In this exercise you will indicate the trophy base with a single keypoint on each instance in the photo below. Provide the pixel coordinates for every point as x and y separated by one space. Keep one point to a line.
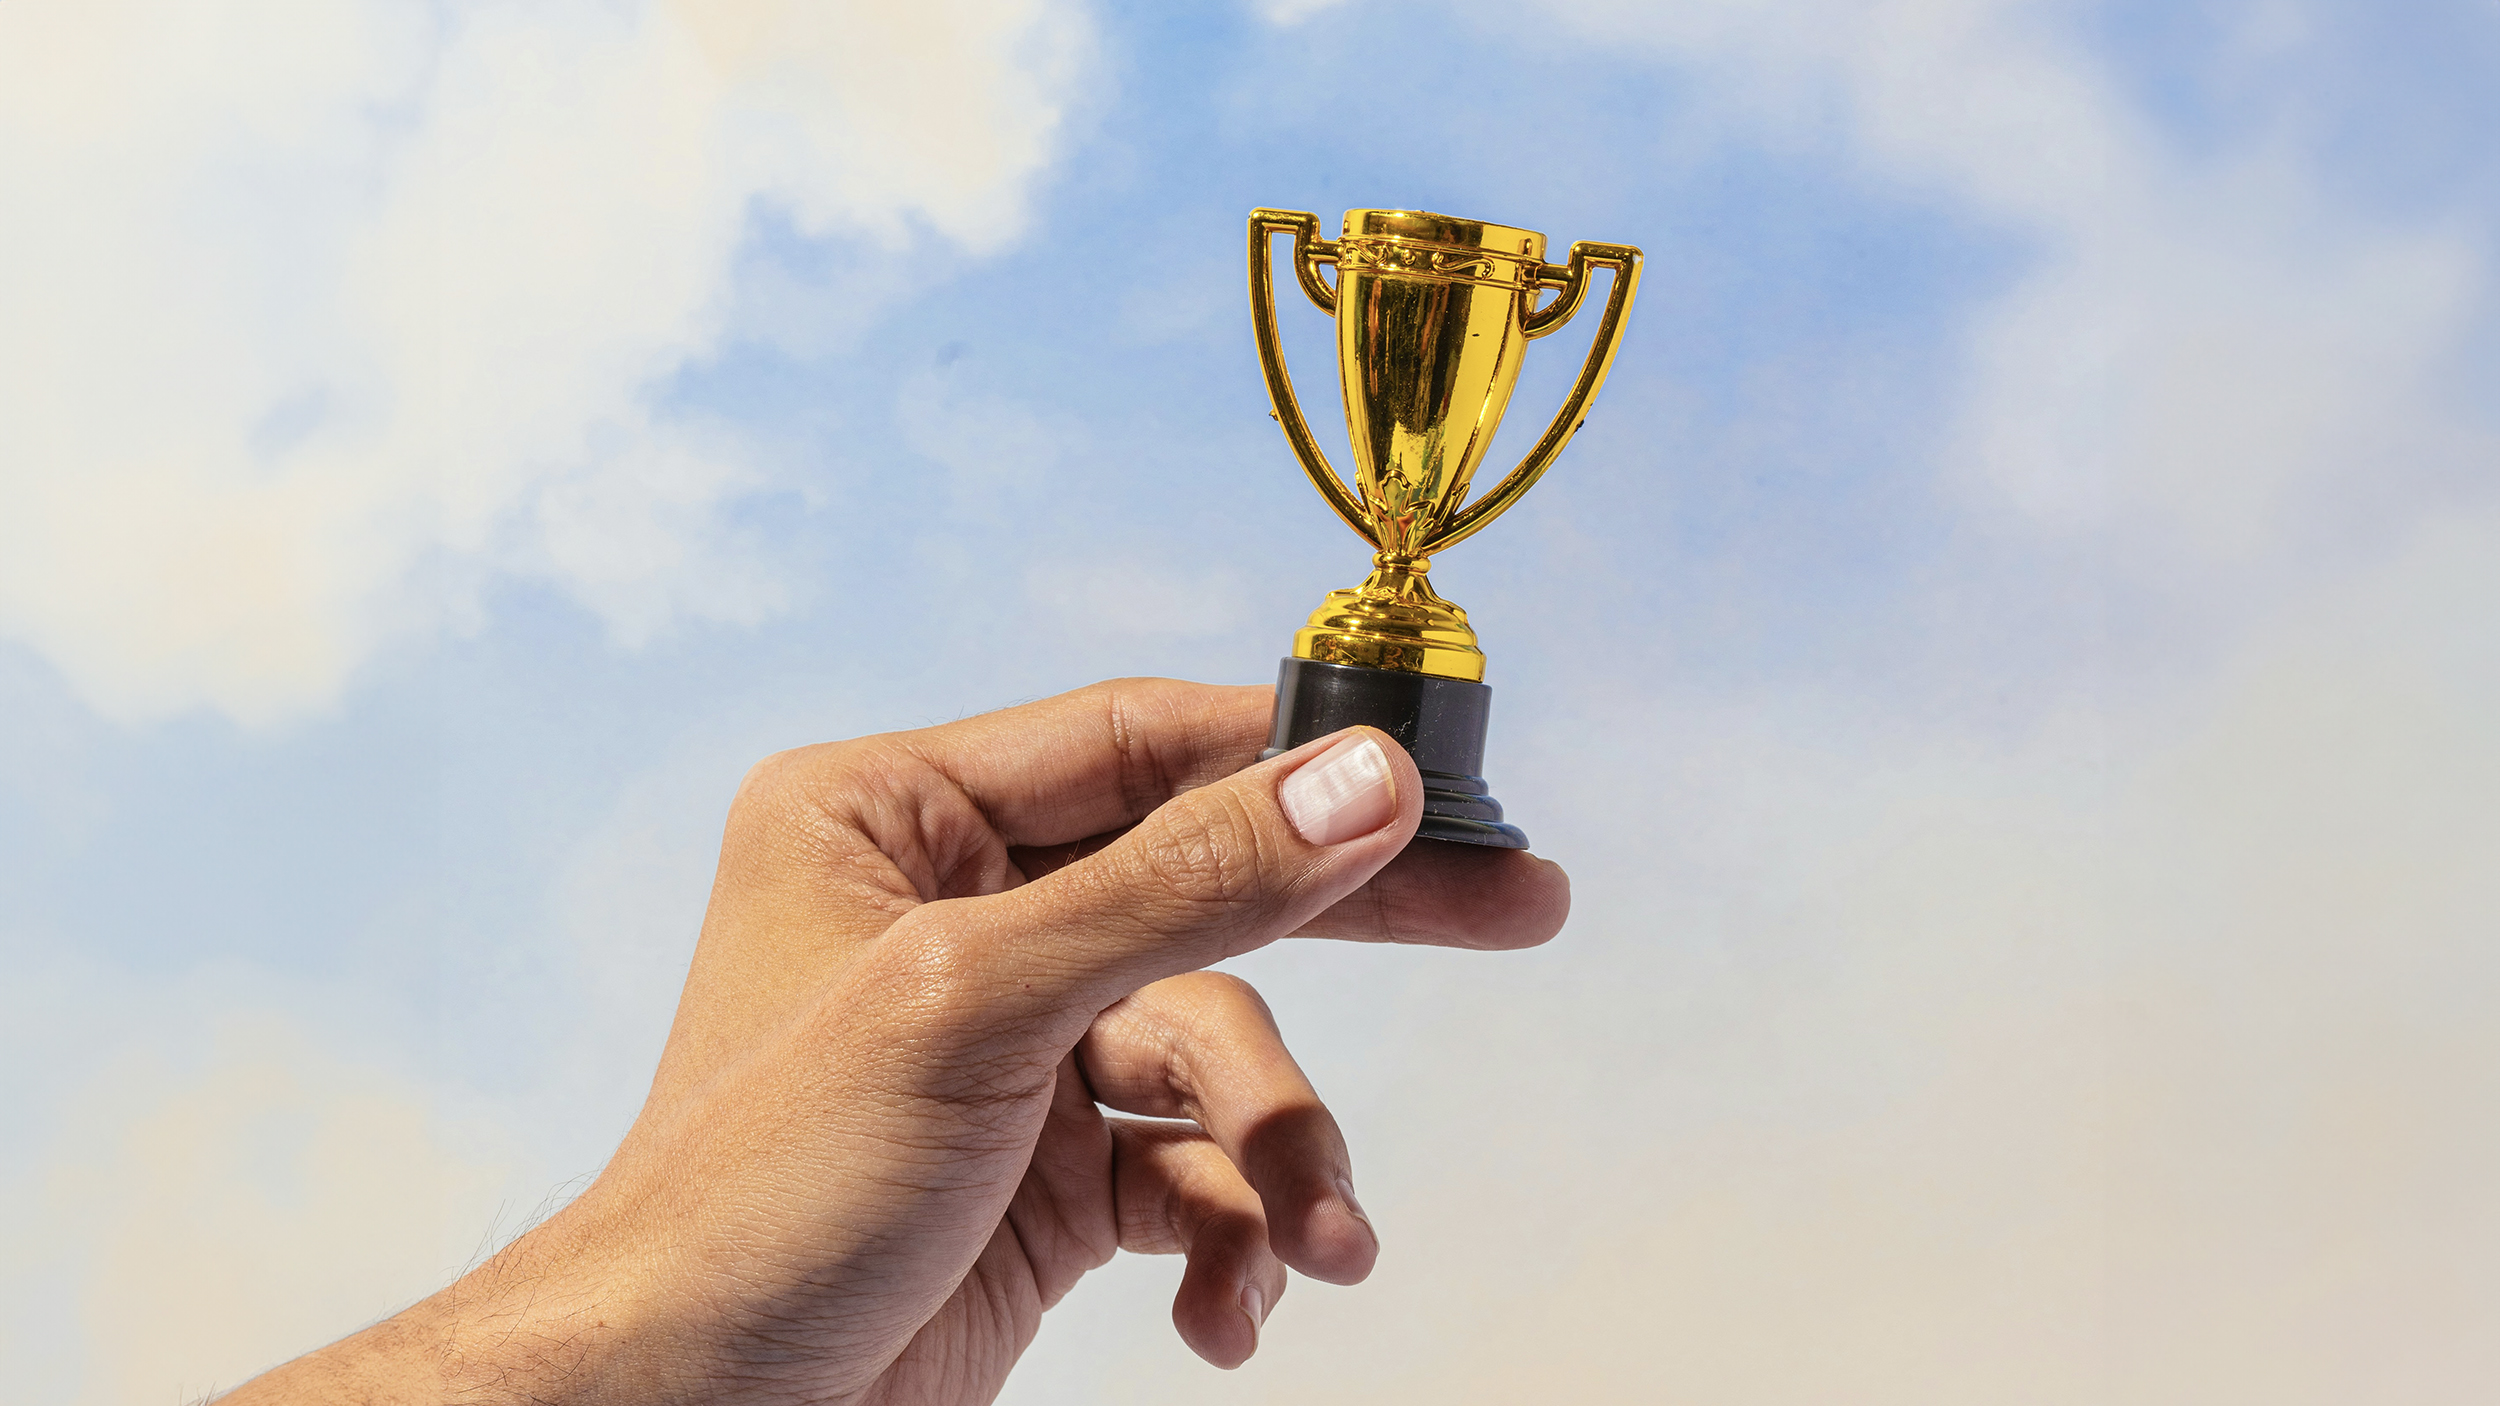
1440 722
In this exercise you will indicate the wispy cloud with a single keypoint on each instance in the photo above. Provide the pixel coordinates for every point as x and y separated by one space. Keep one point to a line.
311 310
2208 351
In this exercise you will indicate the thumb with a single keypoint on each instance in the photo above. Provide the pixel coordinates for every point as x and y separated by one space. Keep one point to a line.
1210 873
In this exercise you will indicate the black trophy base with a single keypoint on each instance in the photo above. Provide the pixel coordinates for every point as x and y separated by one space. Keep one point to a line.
1440 723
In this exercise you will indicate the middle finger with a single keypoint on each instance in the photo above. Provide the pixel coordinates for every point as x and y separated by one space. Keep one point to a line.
1204 1047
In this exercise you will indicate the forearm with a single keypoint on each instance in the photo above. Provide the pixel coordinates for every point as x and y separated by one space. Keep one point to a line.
404 1359
512 1330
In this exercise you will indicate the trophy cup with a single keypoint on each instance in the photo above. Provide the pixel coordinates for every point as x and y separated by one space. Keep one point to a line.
1434 315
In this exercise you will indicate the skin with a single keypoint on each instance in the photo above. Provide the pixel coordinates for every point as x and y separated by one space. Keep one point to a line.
875 1152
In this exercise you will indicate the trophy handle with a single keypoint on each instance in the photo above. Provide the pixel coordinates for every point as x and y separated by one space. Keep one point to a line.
1573 280
1309 252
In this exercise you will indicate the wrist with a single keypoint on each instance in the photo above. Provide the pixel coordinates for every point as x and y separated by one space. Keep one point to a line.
559 1316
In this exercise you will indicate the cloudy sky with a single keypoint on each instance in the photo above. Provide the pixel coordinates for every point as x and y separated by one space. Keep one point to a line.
2011 662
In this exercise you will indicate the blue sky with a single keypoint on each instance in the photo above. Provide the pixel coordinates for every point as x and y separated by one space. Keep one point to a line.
2002 660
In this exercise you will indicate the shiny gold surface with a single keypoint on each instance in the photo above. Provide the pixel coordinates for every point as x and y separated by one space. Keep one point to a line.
1433 315
1392 621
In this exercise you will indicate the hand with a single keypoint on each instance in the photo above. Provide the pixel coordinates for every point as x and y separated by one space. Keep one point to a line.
873 1155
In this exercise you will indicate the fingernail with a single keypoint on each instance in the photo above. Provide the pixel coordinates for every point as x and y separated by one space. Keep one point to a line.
1254 1308
1343 792
1345 1193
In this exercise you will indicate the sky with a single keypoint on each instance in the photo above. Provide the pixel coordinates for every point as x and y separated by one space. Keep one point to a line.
2009 662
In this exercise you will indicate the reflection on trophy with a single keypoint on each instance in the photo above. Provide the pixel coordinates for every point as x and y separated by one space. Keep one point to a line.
1434 315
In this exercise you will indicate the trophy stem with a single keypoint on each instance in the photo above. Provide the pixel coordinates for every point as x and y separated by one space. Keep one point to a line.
1439 721
1394 620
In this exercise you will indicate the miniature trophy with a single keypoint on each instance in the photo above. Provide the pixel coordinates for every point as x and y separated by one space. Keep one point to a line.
1434 315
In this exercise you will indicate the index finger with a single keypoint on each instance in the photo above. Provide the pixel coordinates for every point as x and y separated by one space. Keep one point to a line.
1097 759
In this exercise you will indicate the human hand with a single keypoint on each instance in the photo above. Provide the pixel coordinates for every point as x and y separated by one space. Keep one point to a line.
872 1156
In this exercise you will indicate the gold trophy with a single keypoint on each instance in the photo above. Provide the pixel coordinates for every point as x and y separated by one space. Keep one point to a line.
1434 315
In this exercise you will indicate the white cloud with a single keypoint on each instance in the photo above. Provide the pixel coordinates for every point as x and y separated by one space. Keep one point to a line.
209 1224
303 300
2209 352
1291 12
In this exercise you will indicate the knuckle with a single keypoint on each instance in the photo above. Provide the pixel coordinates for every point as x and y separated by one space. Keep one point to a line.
1128 707
1206 848
1211 1000
767 782
764 813
816 802
1220 1021
946 1010
790 782
1172 1190
930 970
